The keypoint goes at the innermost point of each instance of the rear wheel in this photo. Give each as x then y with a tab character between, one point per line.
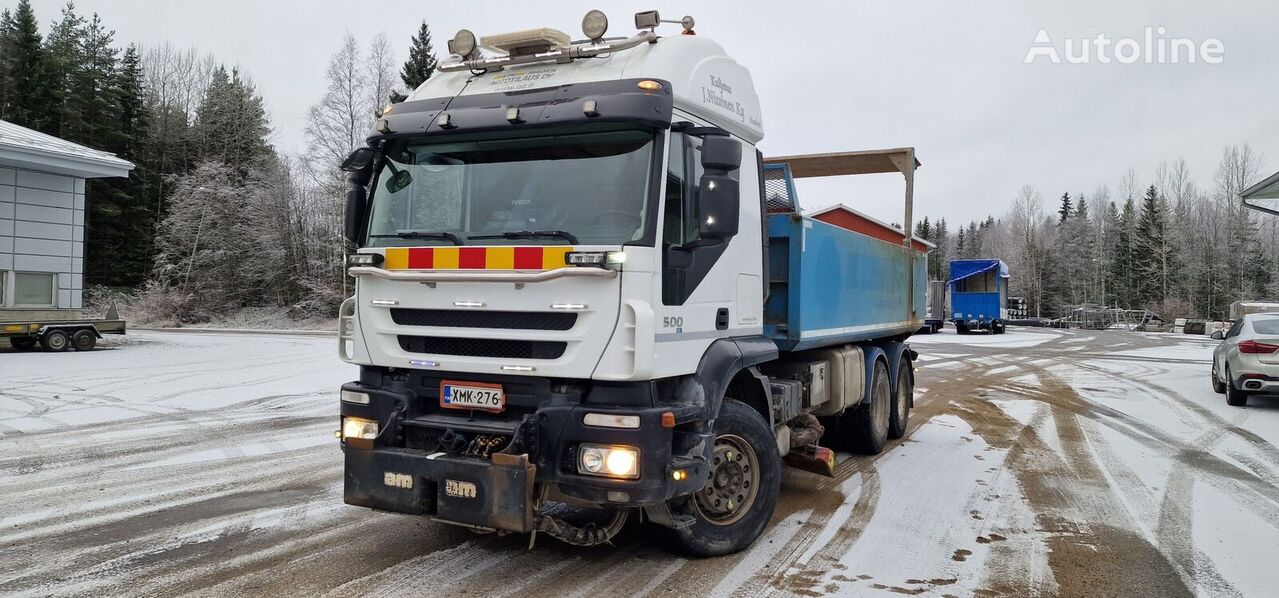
741	490
1218	386
867	424
902	400
55	340
84	340
22	343
1234	396
997	328
961	328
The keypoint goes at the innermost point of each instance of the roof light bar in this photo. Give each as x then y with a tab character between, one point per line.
459	62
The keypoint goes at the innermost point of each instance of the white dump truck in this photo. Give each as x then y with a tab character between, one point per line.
582	294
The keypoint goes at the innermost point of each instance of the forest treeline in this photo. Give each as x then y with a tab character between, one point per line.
1168	244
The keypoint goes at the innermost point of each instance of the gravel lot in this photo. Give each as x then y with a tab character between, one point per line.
1039	462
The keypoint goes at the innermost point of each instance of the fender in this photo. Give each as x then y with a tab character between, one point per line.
721	361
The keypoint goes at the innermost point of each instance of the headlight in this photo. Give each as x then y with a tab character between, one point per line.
612	461
358	428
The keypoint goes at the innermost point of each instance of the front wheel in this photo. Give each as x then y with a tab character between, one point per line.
741	490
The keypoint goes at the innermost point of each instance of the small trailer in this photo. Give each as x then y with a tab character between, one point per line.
978	291
57	335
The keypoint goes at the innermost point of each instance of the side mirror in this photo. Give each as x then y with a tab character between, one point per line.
355	201
1217	335
718	202
358	160
720	152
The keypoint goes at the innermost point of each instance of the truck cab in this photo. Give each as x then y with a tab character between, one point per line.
561	276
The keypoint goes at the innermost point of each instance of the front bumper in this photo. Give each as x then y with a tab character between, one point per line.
493	494
410	470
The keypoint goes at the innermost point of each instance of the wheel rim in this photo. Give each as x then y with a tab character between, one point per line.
57	341
733	481
881	403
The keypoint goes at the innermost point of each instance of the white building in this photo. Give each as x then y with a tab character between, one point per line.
42	220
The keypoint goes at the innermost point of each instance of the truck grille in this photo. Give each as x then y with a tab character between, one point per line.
511	320
482	347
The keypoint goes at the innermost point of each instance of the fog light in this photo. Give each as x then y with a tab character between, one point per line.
358	398
613	461
608	420
359	428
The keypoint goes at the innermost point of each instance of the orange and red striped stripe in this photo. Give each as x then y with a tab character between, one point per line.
476	258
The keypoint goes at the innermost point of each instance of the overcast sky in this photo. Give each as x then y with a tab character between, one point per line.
946	77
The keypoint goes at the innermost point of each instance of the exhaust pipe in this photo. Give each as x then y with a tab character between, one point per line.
1252	385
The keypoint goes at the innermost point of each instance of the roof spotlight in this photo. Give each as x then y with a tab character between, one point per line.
463	43
647	19
594	24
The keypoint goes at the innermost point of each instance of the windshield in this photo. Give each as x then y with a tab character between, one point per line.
577	188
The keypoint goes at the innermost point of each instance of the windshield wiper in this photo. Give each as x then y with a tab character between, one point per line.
528	234
425	234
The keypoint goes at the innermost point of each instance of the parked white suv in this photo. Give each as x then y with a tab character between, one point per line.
1247	360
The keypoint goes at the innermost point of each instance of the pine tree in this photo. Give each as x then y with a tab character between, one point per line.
1066	208
65	62
231	125
26	85
1122	277
421	63
120	222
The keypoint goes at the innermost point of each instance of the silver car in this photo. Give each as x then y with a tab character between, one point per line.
1247	360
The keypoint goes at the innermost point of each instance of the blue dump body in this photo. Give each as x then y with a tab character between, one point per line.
978	290
830	286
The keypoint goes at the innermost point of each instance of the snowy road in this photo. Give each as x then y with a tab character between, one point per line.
1039	462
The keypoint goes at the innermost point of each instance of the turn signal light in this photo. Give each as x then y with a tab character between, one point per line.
1256	348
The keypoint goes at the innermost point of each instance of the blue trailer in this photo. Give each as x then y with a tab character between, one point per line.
978	292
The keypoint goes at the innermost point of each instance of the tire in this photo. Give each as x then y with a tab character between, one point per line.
1234	396
55	341
22	343
84	340
866	425
899	415
1218	386
738	472
961	328
997	328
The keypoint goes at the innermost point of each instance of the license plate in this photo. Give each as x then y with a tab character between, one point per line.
472	395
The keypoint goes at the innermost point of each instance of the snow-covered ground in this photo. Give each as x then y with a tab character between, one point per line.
1039	462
